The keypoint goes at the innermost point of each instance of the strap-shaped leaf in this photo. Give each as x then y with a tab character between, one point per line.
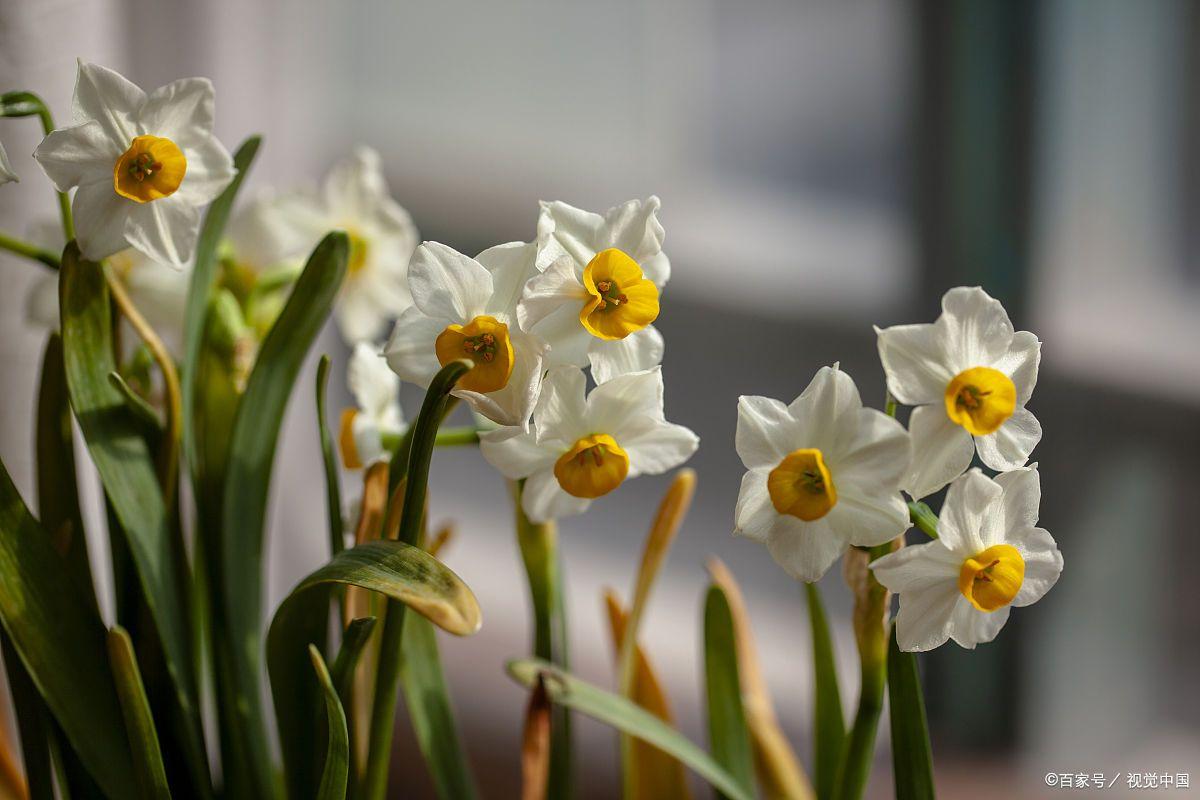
829	723
130	481
727	731
248	483
625	716
403	573
912	758
335	769
333	491
139	725
61	643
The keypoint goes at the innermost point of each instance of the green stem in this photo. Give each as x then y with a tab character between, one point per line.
419	442
450	437
829	723
27	104
543	568
924	518
14	245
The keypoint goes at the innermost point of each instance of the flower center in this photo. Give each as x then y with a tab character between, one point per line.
991	579
151	169
593	467
620	299
980	399
359	249
801	485
485	341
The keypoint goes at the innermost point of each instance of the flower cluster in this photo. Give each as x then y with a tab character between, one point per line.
826	474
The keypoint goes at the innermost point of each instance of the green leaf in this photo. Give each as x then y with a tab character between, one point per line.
335	771
130	481
403	573
626	716
429	710
33	724
139	725
354	641
248	483
140	408
912	758
727	732
333	492
61	643
829	724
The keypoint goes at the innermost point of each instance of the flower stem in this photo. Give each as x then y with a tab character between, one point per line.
543	567
169	456
924	518
14	245
28	104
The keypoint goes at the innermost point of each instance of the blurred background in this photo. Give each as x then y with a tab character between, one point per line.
823	166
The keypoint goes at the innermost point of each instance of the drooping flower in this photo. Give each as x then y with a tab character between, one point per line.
376	391
583	447
597	288
6	171
989	556
969	376
466	308
143	165
824	474
355	198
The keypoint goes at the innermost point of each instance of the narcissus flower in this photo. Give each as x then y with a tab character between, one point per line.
582	448
466	308
824	474
143	165
355	198
969	376
597	288
376	391
6	171
989	556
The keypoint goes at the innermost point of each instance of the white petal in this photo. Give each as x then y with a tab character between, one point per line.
262	235
100	220
623	402
1043	563
977	328
633	227
875	458
804	549
915	361
1021	364
181	111
1021	499
569	341
941	451
209	171
916	567
511	266
513	404
968	511
868	518
360	312
970	626
165	230
827	409
549	291
447	285
656	268
374	386
355	186
561	412
566	230
368	441
637	352
655	446
76	156
926	616
107	97
543	499
1009	447
517	456
755	515
766	431
6	171
410	350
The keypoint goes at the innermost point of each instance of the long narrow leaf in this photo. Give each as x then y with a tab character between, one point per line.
400	572
33	726
912	758
333	492
335	770
60	643
128	473
625	716
829	723
139	725
248	482
727	731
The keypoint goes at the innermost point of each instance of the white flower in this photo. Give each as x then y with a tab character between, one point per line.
824	474
583	448
988	557
466	308
262	236
970	377
598	287
376	391
355	198
143	165
6	171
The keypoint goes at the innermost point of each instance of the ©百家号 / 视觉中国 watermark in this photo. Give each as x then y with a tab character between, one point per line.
1123	780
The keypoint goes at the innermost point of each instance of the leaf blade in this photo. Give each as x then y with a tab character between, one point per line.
139	724
912	758
728	735
336	770
829	722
